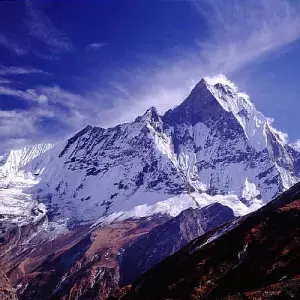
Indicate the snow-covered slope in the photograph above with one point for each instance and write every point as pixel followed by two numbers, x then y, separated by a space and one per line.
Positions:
pixel 226 146
pixel 14 162
pixel 16 203
pixel 214 147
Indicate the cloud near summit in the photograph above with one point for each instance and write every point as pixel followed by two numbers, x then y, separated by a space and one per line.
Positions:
pixel 240 32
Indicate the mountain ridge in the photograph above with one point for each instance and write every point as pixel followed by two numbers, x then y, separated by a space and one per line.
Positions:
pixel 214 147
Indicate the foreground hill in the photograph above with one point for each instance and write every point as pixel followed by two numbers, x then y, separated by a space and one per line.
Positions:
pixel 257 257
pixel 92 262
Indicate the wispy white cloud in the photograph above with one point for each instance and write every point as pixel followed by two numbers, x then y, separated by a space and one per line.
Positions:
pixel 18 128
pixel 15 124
pixel 5 71
pixel 71 110
pixel 220 78
pixel 4 81
pixel 239 33
pixel 43 29
pixel 77 110
pixel 282 136
pixel 296 145
pixel 12 46
pixel 95 46
pixel 27 95
pixel 242 31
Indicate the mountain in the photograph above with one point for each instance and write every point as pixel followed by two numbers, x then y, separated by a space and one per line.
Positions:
pixel 255 257
pixel 12 164
pixel 214 147
pixel 168 238
pixel 77 214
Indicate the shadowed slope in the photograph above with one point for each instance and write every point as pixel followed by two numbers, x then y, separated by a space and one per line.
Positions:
pixel 261 253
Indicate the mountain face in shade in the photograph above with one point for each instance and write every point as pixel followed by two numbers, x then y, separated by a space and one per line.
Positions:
pixel 214 147
pixel 168 238
pixel 251 257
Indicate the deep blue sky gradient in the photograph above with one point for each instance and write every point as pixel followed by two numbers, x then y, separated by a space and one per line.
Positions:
pixel 134 35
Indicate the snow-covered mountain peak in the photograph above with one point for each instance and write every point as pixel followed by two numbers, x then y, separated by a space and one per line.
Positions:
pixel 19 171
pixel 15 160
pixel 214 147
pixel 151 113
pixel 214 99
pixel 228 95
pixel 220 79
pixel 219 93
pixel 253 122
pixel 150 116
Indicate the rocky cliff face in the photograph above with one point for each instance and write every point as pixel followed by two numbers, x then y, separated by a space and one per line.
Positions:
pixel 252 256
pixel 168 238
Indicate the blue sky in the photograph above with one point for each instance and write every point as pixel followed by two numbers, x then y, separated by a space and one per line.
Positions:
pixel 65 64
